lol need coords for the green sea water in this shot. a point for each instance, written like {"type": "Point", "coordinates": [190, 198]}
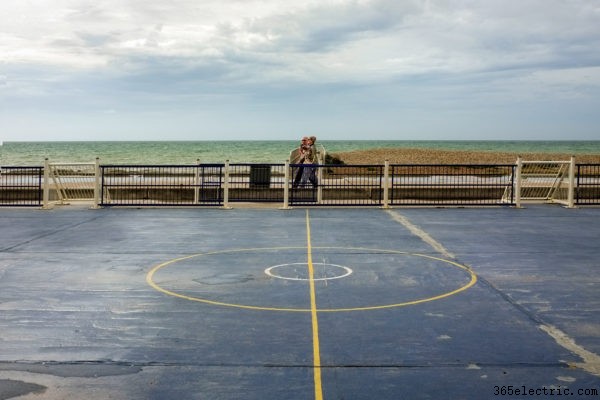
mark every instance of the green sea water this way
{"type": "Point", "coordinates": [188, 152]}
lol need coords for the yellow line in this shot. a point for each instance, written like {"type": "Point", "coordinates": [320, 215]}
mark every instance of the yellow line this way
{"type": "Point", "coordinates": [154, 270]}
{"type": "Point", "coordinates": [313, 313]}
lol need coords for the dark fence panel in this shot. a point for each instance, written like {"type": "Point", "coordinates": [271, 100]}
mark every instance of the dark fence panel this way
{"type": "Point", "coordinates": [452, 185]}
{"type": "Point", "coordinates": [21, 186]}
{"type": "Point", "coordinates": [256, 182]}
{"type": "Point", "coordinates": [588, 184]}
{"type": "Point", "coordinates": [165, 185]}
{"type": "Point", "coordinates": [336, 185]}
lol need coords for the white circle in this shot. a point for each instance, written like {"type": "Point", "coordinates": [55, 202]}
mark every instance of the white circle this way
{"type": "Point", "coordinates": [269, 272]}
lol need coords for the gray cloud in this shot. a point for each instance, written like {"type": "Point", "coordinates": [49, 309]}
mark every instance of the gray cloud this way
{"type": "Point", "coordinates": [367, 57]}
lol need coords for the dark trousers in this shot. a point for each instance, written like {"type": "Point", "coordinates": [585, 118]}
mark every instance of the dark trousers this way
{"type": "Point", "coordinates": [298, 177]}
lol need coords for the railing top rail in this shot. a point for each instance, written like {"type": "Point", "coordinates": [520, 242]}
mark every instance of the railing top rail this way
{"type": "Point", "coordinates": [279, 164]}
{"type": "Point", "coordinates": [160, 165]}
{"type": "Point", "coordinates": [546, 162]}
{"type": "Point", "coordinates": [452, 165]}
{"type": "Point", "coordinates": [343, 165]}
{"type": "Point", "coordinates": [257, 164]}
{"type": "Point", "coordinates": [21, 167]}
{"type": "Point", "coordinates": [71, 163]}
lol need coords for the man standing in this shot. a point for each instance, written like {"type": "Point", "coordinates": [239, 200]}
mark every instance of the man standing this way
{"type": "Point", "coordinates": [309, 173]}
{"type": "Point", "coordinates": [299, 158]}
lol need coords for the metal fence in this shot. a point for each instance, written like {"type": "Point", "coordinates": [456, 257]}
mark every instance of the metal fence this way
{"type": "Point", "coordinates": [263, 183]}
{"type": "Point", "coordinates": [421, 185]}
{"type": "Point", "coordinates": [21, 186]}
{"type": "Point", "coordinates": [452, 185]}
{"type": "Point", "coordinates": [302, 185]}
{"type": "Point", "coordinates": [165, 185]}
{"type": "Point", "coordinates": [588, 184]}
{"type": "Point", "coordinates": [327, 185]}
{"type": "Point", "coordinates": [336, 185]}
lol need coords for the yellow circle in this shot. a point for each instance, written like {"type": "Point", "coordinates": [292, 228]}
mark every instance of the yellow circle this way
{"type": "Point", "coordinates": [150, 281]}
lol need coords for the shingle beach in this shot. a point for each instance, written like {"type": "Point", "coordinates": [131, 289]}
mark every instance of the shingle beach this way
{"type": "Point", "coordinates": [431, 156]}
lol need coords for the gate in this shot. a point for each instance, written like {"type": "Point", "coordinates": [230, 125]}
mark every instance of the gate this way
{"type": "Point", "coordinates": [546, 181]}
{"type": "Point", "coordinates": [66, 182]}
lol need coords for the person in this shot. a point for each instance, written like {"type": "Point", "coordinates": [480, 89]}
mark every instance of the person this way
{"type": "Point", "coordinates": [299, 159]}
{"type": "Point", "coordinates": [309, 173]}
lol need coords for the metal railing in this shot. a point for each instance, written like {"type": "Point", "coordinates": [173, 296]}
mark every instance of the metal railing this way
{"type": "Point", "coordinates": [21, 186]}
{"type": "Point", "coordinates": [165, 185]}
{"type": "Point", "coordinates": [452, 185]}
{"type": "Point", "coordinates": [588, 184]}
{"type": "Point", "coordinates": [255, 182]}
{"type": "Point", "coordinates": [336, 185]}
{"type": "Point", "coordinates": [420, 185]}
{"type": "Point", "coordinates": [322, 185]}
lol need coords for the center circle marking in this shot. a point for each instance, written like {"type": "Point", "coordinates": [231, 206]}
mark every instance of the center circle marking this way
{"type": "Point", "coordinates": [269, 271]}
{"type": "Point", "coordinates": [150, 280]}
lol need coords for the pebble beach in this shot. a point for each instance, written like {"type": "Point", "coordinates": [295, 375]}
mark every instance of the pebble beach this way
{"type": "Point", "coordinates": [436, 156]}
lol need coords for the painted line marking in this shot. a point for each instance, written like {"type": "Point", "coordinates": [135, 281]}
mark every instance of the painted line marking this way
{"type": "Point", "coordinates": [415, 230]}
{"type": "Point", "coordinates": [591, 361]}
{"type": "Point", "coordinates": [151, 281]}
{"type": "Point", "coordinates": [269, 272]}
{"type": "Point", "coordinates": [314, 316]}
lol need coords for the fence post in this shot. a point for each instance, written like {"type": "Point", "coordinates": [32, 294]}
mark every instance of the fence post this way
{"type": "Point", "coordinates": [571, 195]}
{"type": "Point", "coordinates": [197, 183]}
{"type": "Point", "coordinates": [386, 184]}
{"type": "Point", "coordinates": [286, 187]}
{"type": "Point", "coordinates": [518, 182]}
{"type": "Point", "coordinates": [46, 188]}
{"type": "Point", "coordinates": [226, 187]}
{"type": "Point", "coordinates": [319, 183]}
{"type": "Point", "coordinates": [97, 184]}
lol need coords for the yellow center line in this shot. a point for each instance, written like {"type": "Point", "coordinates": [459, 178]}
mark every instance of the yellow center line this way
{"type": "Point", "coordinates": [313, 313]}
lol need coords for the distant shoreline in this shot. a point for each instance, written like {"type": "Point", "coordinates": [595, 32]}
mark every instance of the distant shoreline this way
{"type": "Point", "coordinates": [436, 156]}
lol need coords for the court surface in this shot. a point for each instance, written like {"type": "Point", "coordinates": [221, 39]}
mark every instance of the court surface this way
{"type": "Point", "coordinates": [300, 304]}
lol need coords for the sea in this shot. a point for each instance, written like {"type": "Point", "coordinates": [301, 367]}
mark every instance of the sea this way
{"type": "Point", "coordinates": [190, 152]}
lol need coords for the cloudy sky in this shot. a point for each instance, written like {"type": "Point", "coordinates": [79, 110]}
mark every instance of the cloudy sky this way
{"type": "Point", "coordinates": [273, 69]}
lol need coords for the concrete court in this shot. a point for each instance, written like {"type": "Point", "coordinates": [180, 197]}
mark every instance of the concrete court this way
{"type": "Point", "coordinates": [219, 304]}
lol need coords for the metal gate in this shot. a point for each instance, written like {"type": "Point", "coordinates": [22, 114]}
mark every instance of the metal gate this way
{"type": "Point", "coordinates": [546, 181]}
{"type": "Point", "coordinates": [66, 182]}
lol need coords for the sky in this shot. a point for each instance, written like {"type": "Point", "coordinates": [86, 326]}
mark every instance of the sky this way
{"type": "Point", "coordinates": [272, 69]}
